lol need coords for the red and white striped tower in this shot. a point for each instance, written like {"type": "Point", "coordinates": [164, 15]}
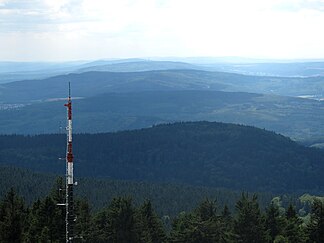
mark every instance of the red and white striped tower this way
{"type": "Point", "coordinates": [69, 218]}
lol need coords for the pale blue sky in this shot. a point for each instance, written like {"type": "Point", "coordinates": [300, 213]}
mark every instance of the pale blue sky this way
{"type": "Point", "coordinates": [59, 30]}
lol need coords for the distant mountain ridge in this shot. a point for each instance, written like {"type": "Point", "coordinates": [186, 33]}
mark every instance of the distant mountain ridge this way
{"type": "Point", "coordinates": [195, 153]}
{"type": "Point", "coordinates": [139, 66]}
{"type": "Point", "coordinates": [93, 83]}
{"type": "Point", "coordinates": [15, 71]}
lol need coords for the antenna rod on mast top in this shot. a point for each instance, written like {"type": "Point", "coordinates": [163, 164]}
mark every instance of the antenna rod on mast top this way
{"type": "Point", "coordinates": [69, 90]}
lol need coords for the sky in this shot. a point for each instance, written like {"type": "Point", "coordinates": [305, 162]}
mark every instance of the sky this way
{"type": "Point", "coordinates": [63, 30]}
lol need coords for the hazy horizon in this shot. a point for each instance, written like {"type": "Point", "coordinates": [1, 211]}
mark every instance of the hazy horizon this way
{"type": "Point", "coordinates": [188, 59]}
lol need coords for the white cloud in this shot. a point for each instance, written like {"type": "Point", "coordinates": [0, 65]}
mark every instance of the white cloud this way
{"type": "Point", "coordinates": [299, 5]}
{"type": "Point", "coordinates": [79, 29]}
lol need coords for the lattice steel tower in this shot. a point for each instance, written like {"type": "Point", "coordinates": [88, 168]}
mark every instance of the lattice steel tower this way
{"type": "Point", "coordinates": [69, 203]}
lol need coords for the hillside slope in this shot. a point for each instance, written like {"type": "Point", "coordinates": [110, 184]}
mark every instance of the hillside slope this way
{"type": "Point", "coordinates": [294, 117]}
{"type": "Point", "coordinates": [194, 153]}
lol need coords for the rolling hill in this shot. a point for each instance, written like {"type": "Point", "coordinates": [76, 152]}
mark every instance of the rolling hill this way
{"type": "Point", "coordinates": [194, 153]}
{"type": "Point", "coordinates": [15, 71]}
{"type": "Point", "coordinates": [93, 83]}
{"type": "Point", "coordinates": [298, 118]}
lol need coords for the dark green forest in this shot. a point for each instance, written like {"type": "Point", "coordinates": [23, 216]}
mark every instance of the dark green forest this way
{"type": "Point", "coordinates": [208, 154]}
{"type": "Point", "coordinates": [121, 221]}
{"type": "Point", "coordinates": [171, 198]}
{"type": "Point", "coordinates": [181, 182]}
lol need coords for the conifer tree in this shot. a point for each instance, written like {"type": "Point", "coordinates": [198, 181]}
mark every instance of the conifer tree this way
{"type": "Point", "coordinates": [274, 221]}
{"type": "Point", "coordinates": [291, 213]}
{"type": "Point", "coordinates": [294, 232]}
{"type": "Point", "coordinates": [83, 220]}
{"type": "Point", "coordinates": [33, 226]}
{"type": "Point", "coordinates": [12, 218]}
{"type": "Point", "coordinates": [316, 225]}
{"type": "Point", "coordinates": [280, 239]}
{"type": "Point", "coordinates": [116, 223]}
{"type": "Point", "coordinates": [46, 220]}
{"type": "Point", "coordinates": [185, 229]}
{"type": "Point", "coordinates": [203, 225]}
{"type": "Point", "coordinates": [149, 226]}
{"type": "Point", "coordinates": [99, 227]}
{"type": "Point", "coordinates": [228, 223]}
{"type": "Point", "coordinates": [226, 214]}
{"type": "Point", "coordinates": [121, 221]}
{"type": "Point", "coordinates": [249, 223]}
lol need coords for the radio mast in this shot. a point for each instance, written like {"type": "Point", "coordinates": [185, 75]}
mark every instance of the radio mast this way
{"type": "Point", "coordinates": [69, 204]}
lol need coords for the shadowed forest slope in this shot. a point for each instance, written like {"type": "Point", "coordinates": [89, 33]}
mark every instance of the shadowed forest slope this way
{"type": "Point", "coordinates": [195, 153]}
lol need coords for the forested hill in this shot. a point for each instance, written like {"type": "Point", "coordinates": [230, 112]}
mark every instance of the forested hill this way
{"type": "Point", "coordinates": [196, 153]}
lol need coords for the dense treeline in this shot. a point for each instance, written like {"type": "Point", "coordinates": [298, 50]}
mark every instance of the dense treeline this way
{"type": "Point", "coordinates": [172, 198]}
{"type": "Point", "coordinates": [195, 153]}
{"type": "Point", "coordinates": [121, 221]}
